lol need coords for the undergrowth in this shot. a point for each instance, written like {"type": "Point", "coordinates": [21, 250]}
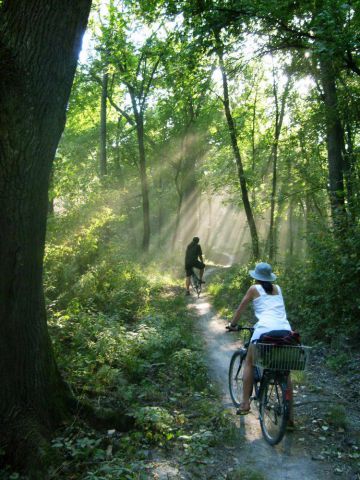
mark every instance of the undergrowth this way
{"type": "Point", "coordinates": [123, 339]}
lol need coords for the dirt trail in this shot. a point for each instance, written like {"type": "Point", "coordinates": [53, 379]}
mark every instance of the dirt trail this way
{"type": "Point", "coordinates": [291, 460]}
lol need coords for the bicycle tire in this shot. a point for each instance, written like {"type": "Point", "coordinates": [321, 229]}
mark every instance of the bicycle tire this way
{"type": "Point", "coordinates": [195, 283]}
{"type": "Point", "coordinates": [236, 371]}
{"type": "Point", "coordinates": [273, 409]}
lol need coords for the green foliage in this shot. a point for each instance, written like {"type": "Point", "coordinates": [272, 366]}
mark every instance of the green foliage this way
{"type": "Point", "coordinates": [157, 423]}
{"type": "Point", "coordinates": [336, 416]}
{"type": "Point", "coordinates": [228, 288]}
{"type": "Point", "coordinates": [123, 338]}
{"type": "Point", "coordinates": [319, 292]}
{"type": "Point", "coordinates": [337, 361]}
{"type": "Point", "coordinates": [245, 473]}
{"type": "Point", "coordinates": [190, 367]}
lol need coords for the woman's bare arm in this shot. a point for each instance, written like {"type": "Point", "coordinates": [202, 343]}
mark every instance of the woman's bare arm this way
{"type": "Point", "coordinates": [248, 297]}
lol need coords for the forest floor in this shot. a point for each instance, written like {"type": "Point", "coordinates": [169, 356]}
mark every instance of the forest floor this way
{"type": "Point", "coordinates": [324, 444]}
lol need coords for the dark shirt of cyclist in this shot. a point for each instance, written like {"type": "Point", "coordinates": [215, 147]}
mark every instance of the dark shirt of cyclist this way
{"type": "Point", "coordinates": [193, 259]}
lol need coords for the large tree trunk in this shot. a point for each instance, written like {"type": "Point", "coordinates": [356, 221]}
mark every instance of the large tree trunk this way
{"type": "Point", "coordinates": [334, 142]}
{"type": "Point", "coordinates": [144, 190]}
{"type": "Point", "coordinates": [279, 117]}
{"type": "Point", "coordinates": [143, 181]}
{"type": "Point", "coordinates": [39, 45]}
{"type": "Point", "coordinates": [253, 145]}
{"type": "Point", "coordinates": [236, 151]}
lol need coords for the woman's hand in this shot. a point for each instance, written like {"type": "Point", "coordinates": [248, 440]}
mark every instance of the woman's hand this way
{"type": "Point", "coordinates": [232, 328]}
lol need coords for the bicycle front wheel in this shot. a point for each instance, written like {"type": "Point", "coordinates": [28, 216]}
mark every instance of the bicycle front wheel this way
{"type": "Point", "coordinates": [273, 409]}
{"type": "Point", "coordinates": [236, 373]}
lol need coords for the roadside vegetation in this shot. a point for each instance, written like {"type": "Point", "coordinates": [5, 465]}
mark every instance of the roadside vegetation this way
{"type": "Point", "coordinates": [124, 341]}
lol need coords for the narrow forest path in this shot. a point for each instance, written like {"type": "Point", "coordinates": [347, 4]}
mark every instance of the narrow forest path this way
{"type": "Point", "coordinates": [293, 458]}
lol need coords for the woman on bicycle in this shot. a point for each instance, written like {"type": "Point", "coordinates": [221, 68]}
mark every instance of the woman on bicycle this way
{"type": "Point", "coordinates": [270, 312]}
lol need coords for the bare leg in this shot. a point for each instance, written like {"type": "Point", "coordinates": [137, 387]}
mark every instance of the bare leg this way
{"type": "Point", "coordinates": [248, 379]}
{"type": "Point", "coordinates": [187, 284]}
{"type": "Point", "coordinates": [291, 409]}
{"type": "Point", "coordinates": [201, 273]}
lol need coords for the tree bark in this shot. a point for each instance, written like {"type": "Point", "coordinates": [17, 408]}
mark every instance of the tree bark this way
{"type": "Point", "coordinates": [253, 146]}
{"type": "Point", "coordinates": [39, 45]}
{"type": "Point", "coordinates": [279, 117]}
{"type": "Point", "coordinates": [160, 209]}
{"type": "Point", "coordinates": [290, 249]}
{"type": "Point", "coordinates": [139, 121]}
{"type": "Point", "coordinates": [236, 151]}
{"type": "Point", "coordinates": [103, 112]}
{"type": "Point", "coordinates": [144, 183]}
{"type": "Point", "coordinates": [334, 142]}
{"type": "Point", "coordinates": [350, 174]}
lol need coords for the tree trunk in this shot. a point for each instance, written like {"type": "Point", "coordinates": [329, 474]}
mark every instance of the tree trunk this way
{"type": "Point", "coordinates": [160, 210]}
{"type": "Point", "coordinates": [39, 47]}
{"type": "Point", "coordinates": [334, 142]}
{"type": "Point", "coordinates": [279, 117]}
{"type": "Point", "coordinates": [143, 174]}
{"type": "Point", "coordinates": [236, 151]}
{"type": "Point", "coordinates": [117, 157]}
{"type": "Point", "coordinates": [290, 249]}
{"type": "Point", "coordinates": [103, 156]}
{"type": "Point", "coordinates": [144, 185]}
{"type": "Point", "coordinates": [253, 146]}
{"type": "Point", "coordinates": [350, 174]}
{"type": "Point", "coordinates": [177, 220]}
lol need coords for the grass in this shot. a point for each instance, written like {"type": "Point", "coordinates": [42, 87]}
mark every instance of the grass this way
{"type": "Point", "coordinates": [336, 416]}
{"type": "Point", "coordinates": [245, 473]}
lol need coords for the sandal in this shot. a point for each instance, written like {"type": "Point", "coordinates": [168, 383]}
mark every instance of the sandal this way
{"type": "Point", "coordinates": [290, 426]}
{"type": "Point", "coordinates": [242, 411]}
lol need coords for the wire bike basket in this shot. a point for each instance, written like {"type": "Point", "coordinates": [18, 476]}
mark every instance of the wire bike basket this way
{"type": "Point", "coordinates": [281, 357]}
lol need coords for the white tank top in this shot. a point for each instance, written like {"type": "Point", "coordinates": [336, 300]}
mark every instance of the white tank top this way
{"type": "Point", "coordinates": [270, 312]}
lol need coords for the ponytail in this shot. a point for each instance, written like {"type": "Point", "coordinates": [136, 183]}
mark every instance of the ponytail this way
{"type": "Point", "coordinates": [267, 286]}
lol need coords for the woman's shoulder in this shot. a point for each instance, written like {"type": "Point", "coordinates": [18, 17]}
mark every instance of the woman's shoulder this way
{"type": "Point", "coordinates": [254, 291]}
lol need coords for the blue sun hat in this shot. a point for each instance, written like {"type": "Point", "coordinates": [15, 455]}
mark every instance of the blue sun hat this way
{"type": "Point", "coordinates": [263, 272]}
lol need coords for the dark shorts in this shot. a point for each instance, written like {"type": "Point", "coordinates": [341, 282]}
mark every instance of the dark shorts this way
{"type": "Point", "coordinates": [273, 334]}
{"type": "Point", "coordinates": [196, 264]}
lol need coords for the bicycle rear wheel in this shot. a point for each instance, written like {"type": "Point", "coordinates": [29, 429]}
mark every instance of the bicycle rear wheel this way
{"type": "Point", "coordinates": [195, 281]}
{"type": "Point", "coordinates": [236, 372]}
{"type": "Point", "coordinates": [273, 409]}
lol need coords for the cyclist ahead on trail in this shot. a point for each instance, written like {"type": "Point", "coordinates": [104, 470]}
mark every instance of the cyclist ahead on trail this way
{"type": "Point", "coordinates": [269, 309]}
{"type": "Point", "coordinates": [193, 258]}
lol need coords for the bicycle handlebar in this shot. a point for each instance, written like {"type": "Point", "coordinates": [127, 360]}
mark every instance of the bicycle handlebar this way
{"type": "Point", "coordinates": [229, 328]}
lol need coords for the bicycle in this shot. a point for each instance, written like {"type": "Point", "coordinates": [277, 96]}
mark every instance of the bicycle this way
{"type": "Point", "coordinates": [272, 365]}
{"type": "Point", "coordinates": [195, 282]}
